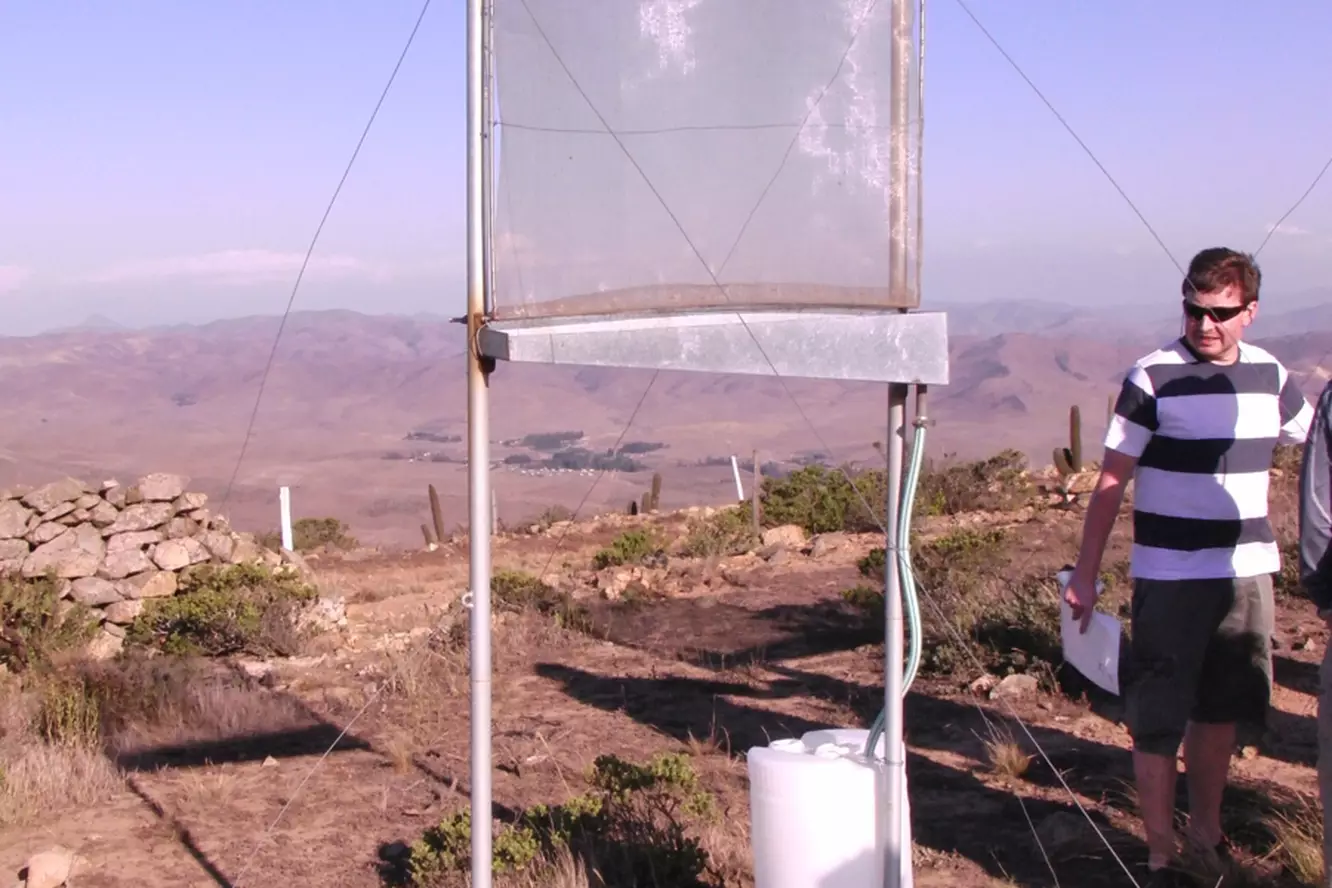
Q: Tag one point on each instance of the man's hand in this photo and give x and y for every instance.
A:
(1081, 595)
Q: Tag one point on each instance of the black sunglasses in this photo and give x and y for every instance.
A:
(1220, 314)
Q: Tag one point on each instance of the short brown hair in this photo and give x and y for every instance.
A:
(1216, 268)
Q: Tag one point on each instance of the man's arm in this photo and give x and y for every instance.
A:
(1316, 507)
(1132, 425)
(1116, 472)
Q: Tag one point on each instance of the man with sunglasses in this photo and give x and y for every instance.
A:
(1194, 428)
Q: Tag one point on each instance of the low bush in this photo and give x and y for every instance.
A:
(311, 534)
(225, 610)
(997, 484)
(969, 613)
(725, 532)
(35, 624)
(633, 827)
(630, 547)
(822, 500)
(514, 591)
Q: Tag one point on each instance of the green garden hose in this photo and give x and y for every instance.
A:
(907, 575)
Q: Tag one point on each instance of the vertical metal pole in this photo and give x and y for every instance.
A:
(898, 282)
(488, 156)
(894, 664)
(918, 244)
(899, 98)
(478, 454)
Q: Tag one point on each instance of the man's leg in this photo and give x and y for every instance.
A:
(1208, 749)
(1235, 686)
(1325, 758)
(1155, 776)
(1171, 629)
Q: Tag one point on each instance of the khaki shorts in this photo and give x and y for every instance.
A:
(1202, 652)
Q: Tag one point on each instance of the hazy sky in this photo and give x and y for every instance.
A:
(169, 161)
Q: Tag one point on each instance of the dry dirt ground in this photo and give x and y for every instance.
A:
(769, 649)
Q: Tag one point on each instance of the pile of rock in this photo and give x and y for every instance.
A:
(115, 545)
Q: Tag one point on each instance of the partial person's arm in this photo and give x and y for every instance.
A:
(1297, 417)
(1316, 507)
(1131, 428)
(1106, 499)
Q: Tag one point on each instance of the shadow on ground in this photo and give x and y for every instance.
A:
(952, 810)
(721, 635)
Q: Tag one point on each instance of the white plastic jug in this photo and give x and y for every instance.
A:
(818, 816)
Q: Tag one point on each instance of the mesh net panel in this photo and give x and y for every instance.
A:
(645, 148)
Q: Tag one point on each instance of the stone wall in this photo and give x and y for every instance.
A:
(114, 546)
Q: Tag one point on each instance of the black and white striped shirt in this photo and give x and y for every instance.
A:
(1203, 434)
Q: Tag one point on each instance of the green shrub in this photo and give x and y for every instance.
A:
(515, 592)
(997, 484)
(309, 534)
(633, 824)
(69, 713)
(35, 624)
(726, 532)
(969, 612)
(225, 610)
(630, 547)
(553, 515)
(822, 500)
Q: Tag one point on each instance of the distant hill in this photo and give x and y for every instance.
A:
(346, 389)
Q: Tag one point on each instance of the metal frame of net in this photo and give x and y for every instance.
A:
(678, 155)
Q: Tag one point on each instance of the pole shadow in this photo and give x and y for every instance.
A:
(953, 811)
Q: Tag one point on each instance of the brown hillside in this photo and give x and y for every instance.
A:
(632, 637)
(346, 388)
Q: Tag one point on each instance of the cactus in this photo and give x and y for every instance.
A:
(429, 537)
(647, 504)
(436, 512)
(655, 502)
(633, 507)
(1068, 460)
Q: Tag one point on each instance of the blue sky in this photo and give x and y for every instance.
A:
(165, 161)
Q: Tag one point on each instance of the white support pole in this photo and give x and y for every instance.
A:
(284, 510)
(739, 488)
(898, 283)
(894, 665)
(478, 453)
(488, 154)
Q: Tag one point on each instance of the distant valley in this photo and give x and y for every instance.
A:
(361, 412)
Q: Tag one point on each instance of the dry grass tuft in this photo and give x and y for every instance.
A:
(62, 731)
(39, 778)
(1005, 755)
(1299, 842)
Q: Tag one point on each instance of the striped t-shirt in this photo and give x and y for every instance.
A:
(1204, 434)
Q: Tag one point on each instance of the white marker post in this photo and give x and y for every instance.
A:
(284, 504)
(739, 488)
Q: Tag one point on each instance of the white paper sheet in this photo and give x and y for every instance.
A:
(1094, 653)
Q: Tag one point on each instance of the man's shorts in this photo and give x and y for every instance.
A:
(1201, 651)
